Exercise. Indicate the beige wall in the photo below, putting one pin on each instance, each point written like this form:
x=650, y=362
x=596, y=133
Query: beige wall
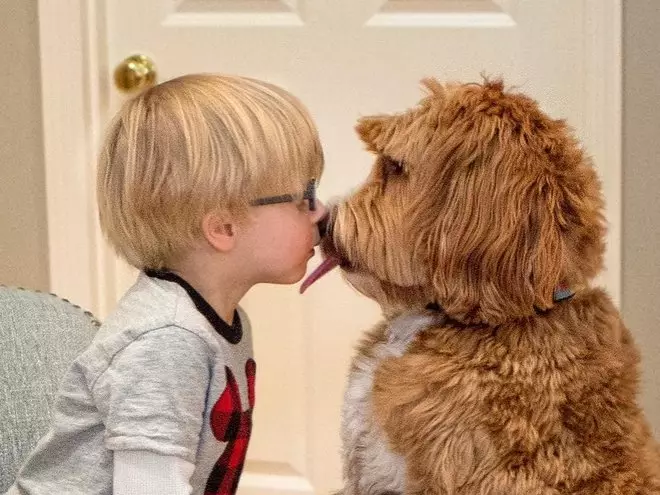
x=23, y=235
x=641, y=191
x=22, y=198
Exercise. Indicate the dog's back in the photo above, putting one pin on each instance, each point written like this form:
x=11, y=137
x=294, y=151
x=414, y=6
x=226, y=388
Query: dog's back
x=546, y=405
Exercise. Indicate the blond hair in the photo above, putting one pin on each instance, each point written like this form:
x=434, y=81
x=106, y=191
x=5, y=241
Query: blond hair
x=193, y=145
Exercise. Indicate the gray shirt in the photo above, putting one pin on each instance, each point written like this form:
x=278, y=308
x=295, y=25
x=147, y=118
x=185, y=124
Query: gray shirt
x=164, y=374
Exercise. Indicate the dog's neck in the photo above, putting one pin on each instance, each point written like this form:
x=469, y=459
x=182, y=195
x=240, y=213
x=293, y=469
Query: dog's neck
x=562, y=293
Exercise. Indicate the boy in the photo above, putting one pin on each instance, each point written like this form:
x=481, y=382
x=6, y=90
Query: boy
x=206, y=183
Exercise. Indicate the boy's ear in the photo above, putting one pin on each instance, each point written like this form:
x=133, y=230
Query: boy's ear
x=219, y=230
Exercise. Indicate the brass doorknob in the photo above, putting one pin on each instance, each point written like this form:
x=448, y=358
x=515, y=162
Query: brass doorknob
x=135, y=73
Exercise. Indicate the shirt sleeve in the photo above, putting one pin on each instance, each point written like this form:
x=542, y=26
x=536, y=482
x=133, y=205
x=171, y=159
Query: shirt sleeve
x=153, y=394
x=139, y=472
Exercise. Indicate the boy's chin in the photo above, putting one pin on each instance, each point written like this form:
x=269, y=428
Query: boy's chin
x=289, y=278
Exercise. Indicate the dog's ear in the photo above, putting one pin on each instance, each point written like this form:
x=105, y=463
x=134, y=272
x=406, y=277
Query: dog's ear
x=546, y=250
x=508, y=207
x=497, y=259
x=405, y=135
x=376, y=131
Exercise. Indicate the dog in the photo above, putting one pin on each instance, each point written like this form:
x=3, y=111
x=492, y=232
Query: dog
x=497, y=369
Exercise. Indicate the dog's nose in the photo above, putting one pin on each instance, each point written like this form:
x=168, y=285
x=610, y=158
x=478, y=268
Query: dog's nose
x=326, y=223
x=323, y=225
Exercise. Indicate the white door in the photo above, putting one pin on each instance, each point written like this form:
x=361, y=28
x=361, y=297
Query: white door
x=344, y=59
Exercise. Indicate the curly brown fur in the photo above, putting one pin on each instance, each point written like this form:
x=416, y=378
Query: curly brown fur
x=481, y=203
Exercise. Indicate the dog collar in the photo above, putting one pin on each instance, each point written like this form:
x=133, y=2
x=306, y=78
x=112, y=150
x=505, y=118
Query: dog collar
x=561, y=293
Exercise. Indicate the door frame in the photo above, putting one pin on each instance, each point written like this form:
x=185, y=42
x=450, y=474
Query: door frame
x=76, y=80
x=74, y=89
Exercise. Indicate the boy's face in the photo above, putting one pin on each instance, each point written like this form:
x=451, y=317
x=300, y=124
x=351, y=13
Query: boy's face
x=279, y=238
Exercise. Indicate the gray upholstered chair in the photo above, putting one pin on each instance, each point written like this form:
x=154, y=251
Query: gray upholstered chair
x=40, y=335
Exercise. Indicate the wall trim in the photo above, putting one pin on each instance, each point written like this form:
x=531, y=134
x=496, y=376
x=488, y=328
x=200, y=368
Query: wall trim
x=74, y=88
x=603, y=121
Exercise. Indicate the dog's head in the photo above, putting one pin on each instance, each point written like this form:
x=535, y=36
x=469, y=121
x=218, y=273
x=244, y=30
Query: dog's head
x=477, y=201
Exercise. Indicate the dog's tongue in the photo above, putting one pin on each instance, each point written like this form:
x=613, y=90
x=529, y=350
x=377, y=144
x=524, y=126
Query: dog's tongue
x=328, y=264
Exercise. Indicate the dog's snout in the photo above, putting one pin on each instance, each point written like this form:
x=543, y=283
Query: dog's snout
x=326, y=223
x=323, y=226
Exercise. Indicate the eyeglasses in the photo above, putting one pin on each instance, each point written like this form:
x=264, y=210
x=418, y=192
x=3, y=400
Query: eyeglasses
x=309, y=194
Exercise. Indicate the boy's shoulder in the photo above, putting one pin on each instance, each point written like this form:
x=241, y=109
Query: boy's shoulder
x=157, y=312
x=151, y=306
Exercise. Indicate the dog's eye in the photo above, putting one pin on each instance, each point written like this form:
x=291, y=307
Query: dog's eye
x=392, y=167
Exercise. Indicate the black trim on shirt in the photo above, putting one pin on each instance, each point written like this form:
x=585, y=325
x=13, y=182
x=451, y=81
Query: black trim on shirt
x=232, y=333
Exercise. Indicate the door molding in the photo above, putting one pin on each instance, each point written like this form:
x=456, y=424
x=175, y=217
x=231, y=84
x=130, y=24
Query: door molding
x=75, y=91
x=602, y=127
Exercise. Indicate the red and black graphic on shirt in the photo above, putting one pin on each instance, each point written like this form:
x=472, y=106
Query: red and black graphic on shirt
x=232, y=425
